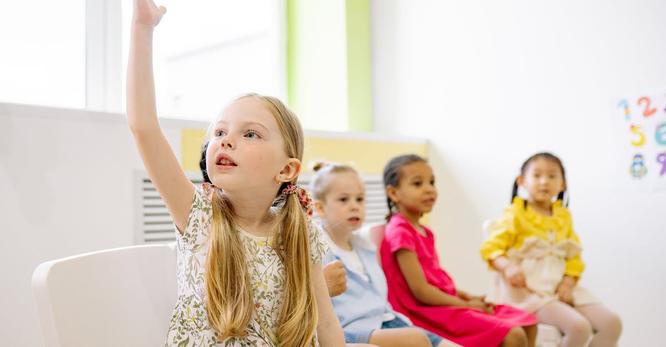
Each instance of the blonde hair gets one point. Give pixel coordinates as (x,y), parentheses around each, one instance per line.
(228,286)
(319,185)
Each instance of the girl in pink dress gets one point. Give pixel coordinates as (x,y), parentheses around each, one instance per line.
(418,287)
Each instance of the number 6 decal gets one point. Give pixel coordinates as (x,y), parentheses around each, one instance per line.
(660,134)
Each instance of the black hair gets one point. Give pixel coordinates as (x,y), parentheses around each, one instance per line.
(202,163)
(547,156)
(392,175)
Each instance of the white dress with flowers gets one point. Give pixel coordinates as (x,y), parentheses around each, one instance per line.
(189,322)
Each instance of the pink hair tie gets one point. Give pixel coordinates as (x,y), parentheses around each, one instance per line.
(302,194)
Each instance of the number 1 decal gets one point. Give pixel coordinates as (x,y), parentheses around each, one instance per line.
(627,111)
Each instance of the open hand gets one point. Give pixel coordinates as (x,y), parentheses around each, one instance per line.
(336,278)
(565,291)
(514,275)
(147,13)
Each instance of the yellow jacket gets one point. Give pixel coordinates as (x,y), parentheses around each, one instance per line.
(520,222)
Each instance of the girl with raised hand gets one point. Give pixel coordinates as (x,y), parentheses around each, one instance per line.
(249,271)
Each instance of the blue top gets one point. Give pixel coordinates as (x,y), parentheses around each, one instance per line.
(363,306)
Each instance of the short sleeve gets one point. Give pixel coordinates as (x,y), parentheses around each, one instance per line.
(318,247)
(400,236)
(198,221)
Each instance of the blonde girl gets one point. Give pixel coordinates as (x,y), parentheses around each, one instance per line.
(249,270)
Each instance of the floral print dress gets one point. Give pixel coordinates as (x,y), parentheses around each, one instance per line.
(189,322)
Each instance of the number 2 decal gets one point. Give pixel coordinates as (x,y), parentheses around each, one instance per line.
(648,111)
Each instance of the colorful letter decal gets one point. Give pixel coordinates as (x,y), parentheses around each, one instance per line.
(640,141)
(638,168)
(625,105)
(661,158)
(660,134)
(645,142)
(648,111)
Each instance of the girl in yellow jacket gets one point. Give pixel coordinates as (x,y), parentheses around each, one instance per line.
(536,255)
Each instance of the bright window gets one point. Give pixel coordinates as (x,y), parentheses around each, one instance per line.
(209,51)
(73,54)
(43,52)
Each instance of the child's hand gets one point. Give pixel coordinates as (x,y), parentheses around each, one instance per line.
(479,305)
(467,296)
(463,295)
(336,278)
(147,13)
(514,275)
(565,290)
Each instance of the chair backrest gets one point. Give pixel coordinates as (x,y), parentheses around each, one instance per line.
(376,235)
(116,297)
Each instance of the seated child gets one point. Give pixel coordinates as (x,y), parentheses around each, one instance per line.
(419,287)
(536,254)
(362,308)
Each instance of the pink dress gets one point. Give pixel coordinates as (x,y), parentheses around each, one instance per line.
(461,325)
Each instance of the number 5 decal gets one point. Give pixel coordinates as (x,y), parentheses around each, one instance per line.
(640,141)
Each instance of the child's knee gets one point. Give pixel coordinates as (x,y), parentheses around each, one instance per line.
(516,337)
(612,324)
(421,339)
(580,328)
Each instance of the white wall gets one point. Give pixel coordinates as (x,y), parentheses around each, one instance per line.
(66,187)
(490,83)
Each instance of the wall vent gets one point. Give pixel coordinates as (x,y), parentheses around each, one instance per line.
(154,224)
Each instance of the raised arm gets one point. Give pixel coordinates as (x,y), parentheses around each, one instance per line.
(158,157)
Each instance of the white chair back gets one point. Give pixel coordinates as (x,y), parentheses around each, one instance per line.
(116,297)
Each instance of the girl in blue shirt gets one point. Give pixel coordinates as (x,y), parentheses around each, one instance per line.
(363,309)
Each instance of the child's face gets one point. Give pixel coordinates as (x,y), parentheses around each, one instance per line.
(543,180)
(343,207)
(416,191)
(246,148)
